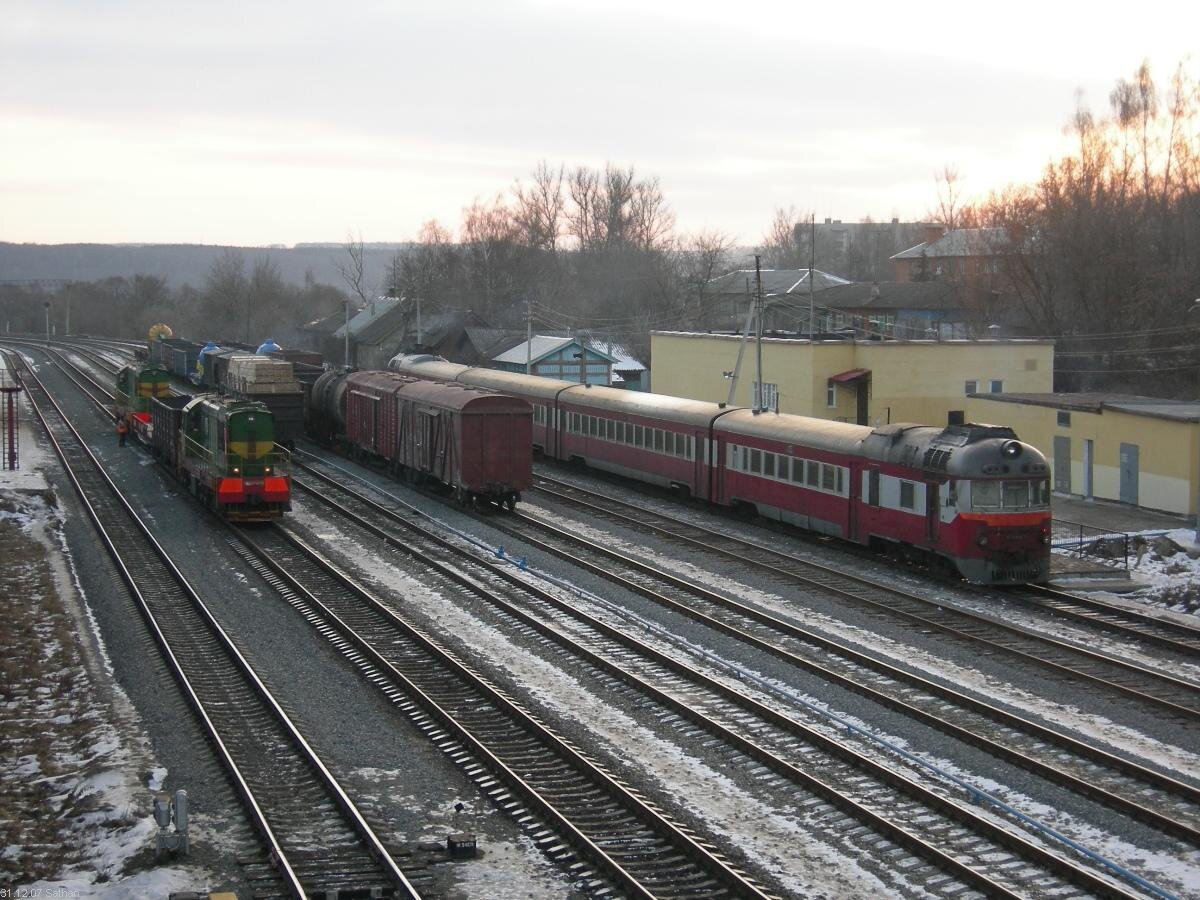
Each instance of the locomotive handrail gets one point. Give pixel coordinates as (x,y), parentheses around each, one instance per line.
(277,458)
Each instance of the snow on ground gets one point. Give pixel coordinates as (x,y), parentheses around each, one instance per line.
(1168,568)
(898,653)
(781,840)
(74,809)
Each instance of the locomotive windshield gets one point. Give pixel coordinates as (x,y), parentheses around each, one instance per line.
(1010,494)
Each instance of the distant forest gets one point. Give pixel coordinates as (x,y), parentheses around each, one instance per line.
(179,264)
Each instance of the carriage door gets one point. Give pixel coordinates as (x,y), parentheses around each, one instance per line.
(932,511)
(426,440)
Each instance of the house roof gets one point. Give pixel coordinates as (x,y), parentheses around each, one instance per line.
(894,295)
(372,321)
(960,242)
(1155,407)
(774,281)
(540,346)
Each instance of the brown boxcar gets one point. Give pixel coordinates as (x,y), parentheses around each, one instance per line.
(475,442)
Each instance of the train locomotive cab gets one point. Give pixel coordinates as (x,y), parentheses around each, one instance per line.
(228,450)
(995,512)
(135,386)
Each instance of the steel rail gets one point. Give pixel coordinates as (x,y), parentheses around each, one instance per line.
(1052,862)
(745,554)
(371,842)
(338,628)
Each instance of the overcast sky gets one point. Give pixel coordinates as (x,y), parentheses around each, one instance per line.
(255,123)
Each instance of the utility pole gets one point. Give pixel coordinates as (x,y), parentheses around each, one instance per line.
(529,336)
(346,358)
(47,321)
(812,265)
(758,316)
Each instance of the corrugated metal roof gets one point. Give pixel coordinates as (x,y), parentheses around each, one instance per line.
(961,242)
(540,346)
(774,281)
(373,312)
(534,349)
(894,295)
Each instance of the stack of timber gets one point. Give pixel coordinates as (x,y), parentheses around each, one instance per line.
(273,383)
(261,375)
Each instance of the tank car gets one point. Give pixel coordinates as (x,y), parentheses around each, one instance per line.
(224,450)
(475,443)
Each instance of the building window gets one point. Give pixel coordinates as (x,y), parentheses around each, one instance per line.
(830,394)
(997,386)
(1064,419)
(971,387)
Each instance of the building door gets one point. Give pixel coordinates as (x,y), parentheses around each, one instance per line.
(1087,469)
(1062,464)
(1129,474)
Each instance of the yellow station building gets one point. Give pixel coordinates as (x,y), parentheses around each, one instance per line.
(866,381)
(1137,450)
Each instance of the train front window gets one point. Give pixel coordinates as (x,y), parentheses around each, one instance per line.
(1016,494)
(1010,494)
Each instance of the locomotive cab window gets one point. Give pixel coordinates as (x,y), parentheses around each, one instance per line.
(1010,494)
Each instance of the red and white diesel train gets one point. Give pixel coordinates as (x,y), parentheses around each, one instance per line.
(972,495)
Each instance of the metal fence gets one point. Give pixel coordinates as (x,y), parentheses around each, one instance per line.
(1086,540)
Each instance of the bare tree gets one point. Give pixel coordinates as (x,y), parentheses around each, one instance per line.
(701,257)
(539,209)
(585,218)
(651,220)
(352,268)
(779,249)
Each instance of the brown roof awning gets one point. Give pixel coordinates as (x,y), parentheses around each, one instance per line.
(850,375)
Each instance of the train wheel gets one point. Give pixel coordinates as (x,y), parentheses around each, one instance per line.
(510,504)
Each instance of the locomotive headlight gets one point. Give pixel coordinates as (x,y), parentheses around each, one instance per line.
(982,540)
(235,470)
(1011,449)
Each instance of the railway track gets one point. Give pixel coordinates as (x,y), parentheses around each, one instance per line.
(942,831)
(1151,796)
(1169,694)
(1178,636)
(311,830)
(581,816)
(629,844)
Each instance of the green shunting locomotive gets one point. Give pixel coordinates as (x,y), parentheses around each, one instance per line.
(225,451)
(136,386)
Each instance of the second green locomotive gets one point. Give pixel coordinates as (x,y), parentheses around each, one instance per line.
(225,451)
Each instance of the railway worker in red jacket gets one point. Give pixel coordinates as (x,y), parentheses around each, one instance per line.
(122,431)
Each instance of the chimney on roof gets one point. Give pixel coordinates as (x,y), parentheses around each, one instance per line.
(828,221)
(933,232)
(895,220)
(874,290)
